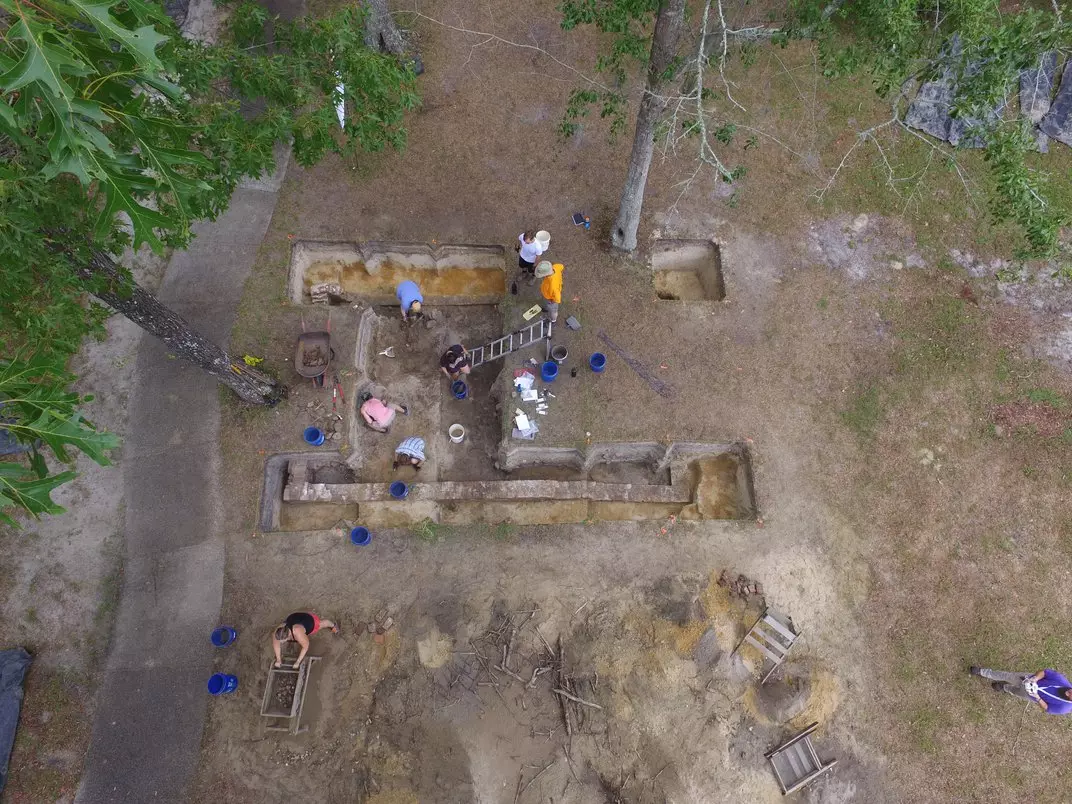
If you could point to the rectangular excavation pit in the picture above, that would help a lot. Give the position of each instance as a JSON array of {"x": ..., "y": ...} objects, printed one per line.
[
  {"x": 489, "y": 478},
  {"x": 687, "y": 270},
  {"x": 702, "y": 482},
  {"x": 371, "y": 271}
]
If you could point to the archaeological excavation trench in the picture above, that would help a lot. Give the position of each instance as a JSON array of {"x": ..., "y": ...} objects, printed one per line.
[{"x": 489, "y": 477}]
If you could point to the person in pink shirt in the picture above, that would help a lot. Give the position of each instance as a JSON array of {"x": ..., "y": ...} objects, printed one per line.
[{"x": 379, "y": 414}]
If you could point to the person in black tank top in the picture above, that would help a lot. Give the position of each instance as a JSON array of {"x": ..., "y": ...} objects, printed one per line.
[{"x": 298, "y": 627}]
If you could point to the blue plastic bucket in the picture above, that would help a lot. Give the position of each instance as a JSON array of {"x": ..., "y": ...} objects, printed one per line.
[
  {"x": 224, "y": 636},
  {"x": 399, "y": 490},
  {"x": 222, "y": 684},
  {"x": 313, "y": 436},
  {"x": 597, "y": 362},
  {"x": 360, "y": 536},
  {"x": 549, "y": 370},
  {"x": 459, "y": 389}
]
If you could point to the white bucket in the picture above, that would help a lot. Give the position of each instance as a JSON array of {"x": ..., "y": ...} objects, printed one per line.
[
  {"x": 456, "y": 433},
  {"x": 544, "y": 239}
]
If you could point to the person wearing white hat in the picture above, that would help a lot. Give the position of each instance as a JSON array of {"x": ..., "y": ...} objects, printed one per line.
[{"x": 551, "y": 287}]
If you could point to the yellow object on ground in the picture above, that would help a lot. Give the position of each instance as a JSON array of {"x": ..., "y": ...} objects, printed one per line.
[{"x": 250, "y": 360}]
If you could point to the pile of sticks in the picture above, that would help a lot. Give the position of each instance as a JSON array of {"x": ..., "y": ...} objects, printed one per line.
[
  {"x": 495, "y": 651},
  {"x": 575, "y": 709},
  {"x": 498, "y": 654}
]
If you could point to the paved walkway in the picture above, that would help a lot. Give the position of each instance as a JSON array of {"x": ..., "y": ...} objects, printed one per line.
[{"x": 151, "y": 704}]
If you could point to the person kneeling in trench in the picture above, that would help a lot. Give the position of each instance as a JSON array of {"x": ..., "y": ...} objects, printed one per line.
[
  {"x": 298, "y": 627},
  {"x": 410, "y": 453},
  {"x": 379, "y": 414},
  {"x": 456, "y": 361}
]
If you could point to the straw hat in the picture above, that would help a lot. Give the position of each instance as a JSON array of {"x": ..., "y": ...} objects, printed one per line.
[{"x": 544, "y": 269}]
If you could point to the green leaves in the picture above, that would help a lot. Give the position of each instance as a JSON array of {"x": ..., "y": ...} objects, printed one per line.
[
  {"x": 67, "y": 66},
  {"x": 38, "y": 410},
  {"x": 141, "y": 43},
  {"x": 108, "y": 115},
  {"x": 24, "y": 490},
  {"x": 1020, "y": 193}
]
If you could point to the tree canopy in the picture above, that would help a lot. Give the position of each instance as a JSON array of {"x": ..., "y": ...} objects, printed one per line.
[
  {"x": 116, "y": 131},
  {"x": 976, "y": 47}
]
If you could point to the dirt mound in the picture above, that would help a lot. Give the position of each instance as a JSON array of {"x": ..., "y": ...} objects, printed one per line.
[
  {"x": 780, "y": 700},
  {"x": 1045, "y": 419}
]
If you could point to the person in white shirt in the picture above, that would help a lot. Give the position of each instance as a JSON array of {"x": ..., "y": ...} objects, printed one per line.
[{"x": 528, "y": 252}]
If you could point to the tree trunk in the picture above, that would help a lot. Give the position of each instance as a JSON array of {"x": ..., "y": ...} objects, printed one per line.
[
  {"x": 664, "y": 45},
  {"x": 107, "y": 282},
  {"x": 381, "y": 34}
]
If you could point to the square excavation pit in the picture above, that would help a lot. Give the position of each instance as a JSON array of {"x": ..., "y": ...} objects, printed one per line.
[
  {"x": 687, "y": 270},
  {"x": 413, "y": 377}
]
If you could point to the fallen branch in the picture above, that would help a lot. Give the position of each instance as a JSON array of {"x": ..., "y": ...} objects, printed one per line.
[
  {"x": 510, "y": 673},
  {"x": 520, "y": 776},
  {"x": 575, "y": 699},
  {"x": 545, "y": 642},
  {"x": 561, "y": 680},
  {"x": 536, "y": 673},
  {"x": 569, "y": 762},
  {"x": 489, "y": 37},
  {"x": 533, "y": 779}
]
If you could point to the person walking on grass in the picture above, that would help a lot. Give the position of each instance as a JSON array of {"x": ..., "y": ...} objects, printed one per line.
[
  {"x": 298, "y": 627},
  {"x": 528, "y": 250},
  {"x": 410, "y": 453},
  {"x": 409, "y": 299},
  {"x": 379, "y": 414},
  {"x": 1050, "y": 690},
  {"x": 551, "y": 287}
]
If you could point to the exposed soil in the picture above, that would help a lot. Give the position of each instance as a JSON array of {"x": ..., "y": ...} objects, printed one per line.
[
  {"x": 1039, "y": 417},
  {"x": 904, "y": 539},
  {"x": 356, "y": 278}
]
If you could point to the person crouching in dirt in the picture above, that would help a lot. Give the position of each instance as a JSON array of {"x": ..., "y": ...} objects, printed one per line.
[
  {"x": 456, "y": 361},
  {"x": 409, "y": 299},
  {"x": 551, "y": 287},
  {"x": 410, "y": 453},
  {"x": 298, "y": 627},
  {"x": 379, "y": 414}
]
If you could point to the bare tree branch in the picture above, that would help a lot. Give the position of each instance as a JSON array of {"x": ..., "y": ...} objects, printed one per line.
[{"x": 490, "y": 37}]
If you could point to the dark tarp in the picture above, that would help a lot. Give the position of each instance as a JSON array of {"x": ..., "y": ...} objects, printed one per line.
[
  {"x": 13, "y": 664},
  {"x": 1058, "y": 121},
  {"x": 177, "y": 10},
  {"x": 1036, "y": 91}
]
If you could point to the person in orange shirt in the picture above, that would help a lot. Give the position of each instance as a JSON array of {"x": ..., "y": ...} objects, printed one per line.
[{"x": 551, "y": 287}]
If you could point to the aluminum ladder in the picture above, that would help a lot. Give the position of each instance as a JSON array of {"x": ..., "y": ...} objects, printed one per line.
[{"x": 535, "y": 332}]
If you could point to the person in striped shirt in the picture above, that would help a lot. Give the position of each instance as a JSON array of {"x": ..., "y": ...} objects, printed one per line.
[
  {"x": 410, "y": 452},
  {"x": 1050, "y": 690}
]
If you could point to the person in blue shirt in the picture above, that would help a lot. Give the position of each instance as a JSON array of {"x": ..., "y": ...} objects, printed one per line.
[
  {"x": 409, "y": 298},
  {"x": 410, "y": 452},
  {"x": 1050, "y": 690}
]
